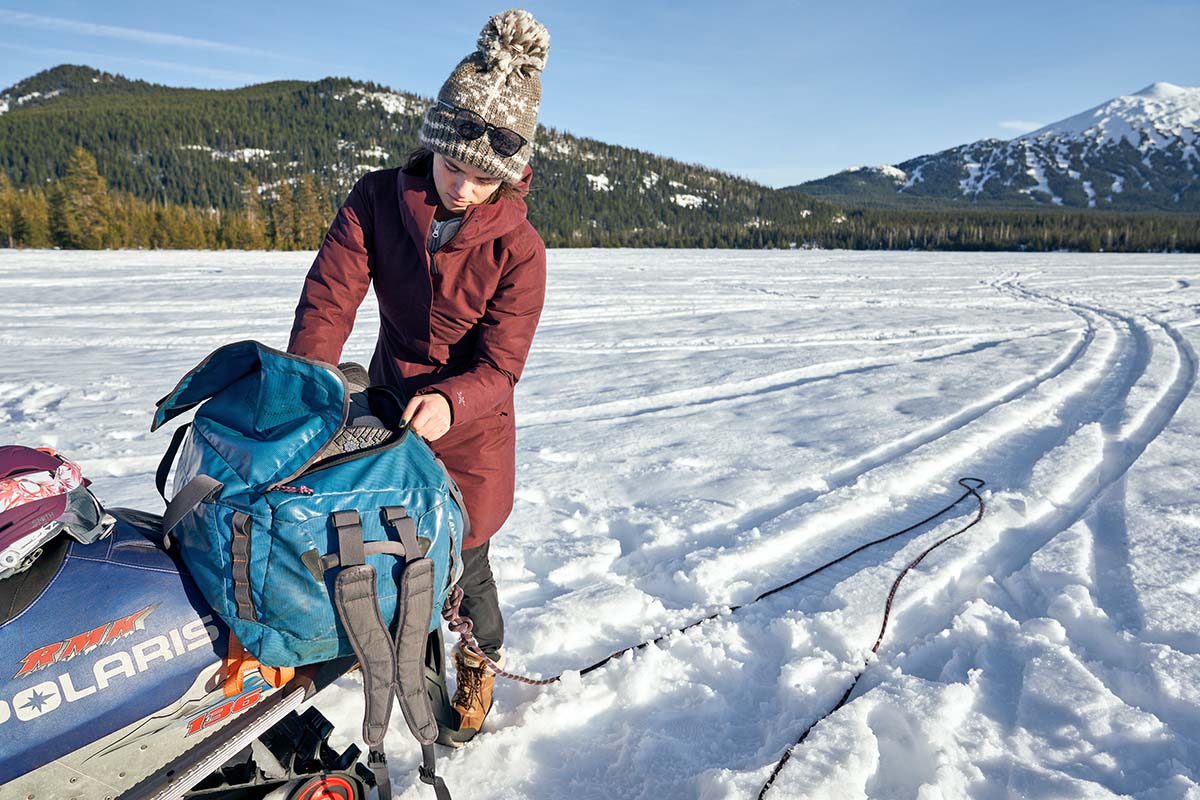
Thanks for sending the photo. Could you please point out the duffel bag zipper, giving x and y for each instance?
(455, 492)
(285, 486)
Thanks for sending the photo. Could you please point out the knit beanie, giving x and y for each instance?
(502, 82)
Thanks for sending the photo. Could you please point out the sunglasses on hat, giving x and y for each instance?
(471, 126)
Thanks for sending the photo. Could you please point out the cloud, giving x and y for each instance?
(58, 24)
(96, 59)
(1021, 125)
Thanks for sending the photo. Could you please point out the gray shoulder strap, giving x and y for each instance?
(357, 604)
(416, 609)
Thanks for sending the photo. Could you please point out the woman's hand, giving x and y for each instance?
(428, 416)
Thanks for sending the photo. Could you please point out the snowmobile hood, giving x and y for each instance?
(268, 413)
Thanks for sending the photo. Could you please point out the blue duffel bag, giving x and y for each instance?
(314, 522)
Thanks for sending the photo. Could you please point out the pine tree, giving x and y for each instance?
(283, 218)
(310, 227)
(256, 223)
(79, 206)
(8, 199)
(31, 224)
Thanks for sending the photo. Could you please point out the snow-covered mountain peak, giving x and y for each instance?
(1160, 111)
(1162, 89)
(1135, 152)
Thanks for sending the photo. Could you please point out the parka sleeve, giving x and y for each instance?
(336, 283)
(505, 335)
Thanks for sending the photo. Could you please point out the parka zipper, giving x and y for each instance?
(435, 234)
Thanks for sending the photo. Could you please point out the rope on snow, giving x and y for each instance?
(464, 627)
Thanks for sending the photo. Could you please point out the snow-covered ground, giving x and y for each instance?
(697, 427)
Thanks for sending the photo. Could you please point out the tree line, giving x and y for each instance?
(79, 212)
(887, 229)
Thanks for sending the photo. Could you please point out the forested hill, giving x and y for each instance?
(200, 147)
(90, 159)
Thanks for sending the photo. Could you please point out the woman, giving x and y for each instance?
(460, 276)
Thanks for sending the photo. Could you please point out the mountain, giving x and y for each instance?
(200, 147)
(1134, 153)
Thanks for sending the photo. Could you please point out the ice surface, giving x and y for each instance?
(696, 427)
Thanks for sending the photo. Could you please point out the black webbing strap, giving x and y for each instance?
(164, 466)
(350, 538)
(428, 773)
(377, 761)
(240, 555)
(197, 490)
(370, 548)
(406, 528)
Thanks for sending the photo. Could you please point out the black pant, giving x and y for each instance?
(480, 601)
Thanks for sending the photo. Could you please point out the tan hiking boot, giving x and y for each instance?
(473, 696)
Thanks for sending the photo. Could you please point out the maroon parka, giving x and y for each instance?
(459, 322)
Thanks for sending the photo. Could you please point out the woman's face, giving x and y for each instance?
(461, 185)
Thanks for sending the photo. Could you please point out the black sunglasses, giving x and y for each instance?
(471, 126)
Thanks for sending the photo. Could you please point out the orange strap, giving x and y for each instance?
(238, 662)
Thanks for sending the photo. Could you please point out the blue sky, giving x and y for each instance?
(779, 92)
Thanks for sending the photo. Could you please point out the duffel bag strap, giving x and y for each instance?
(406, 529)
(428, 773)
(416, 609)
(389, 667)
(164, 466)
(357, 604)
(415, 605)
(197, 490)
(243, 528)
(412, 636)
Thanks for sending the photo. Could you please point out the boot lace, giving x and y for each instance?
(470, 682)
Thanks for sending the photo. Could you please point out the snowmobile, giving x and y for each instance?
(118, 682)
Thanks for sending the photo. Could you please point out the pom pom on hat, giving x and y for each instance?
(514, 41)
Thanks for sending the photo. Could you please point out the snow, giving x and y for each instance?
(696, 427)
(554, 146)
(887, 170)
(1145, 119)
(244, 155)
(1035, 170)
(598, 183)
(915, 177)
(972, 183)
(391, 102)
(687, 200)
(25, 98)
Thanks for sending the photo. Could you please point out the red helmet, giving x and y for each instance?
(42, 494)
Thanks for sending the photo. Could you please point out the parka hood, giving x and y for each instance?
(481, 223)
